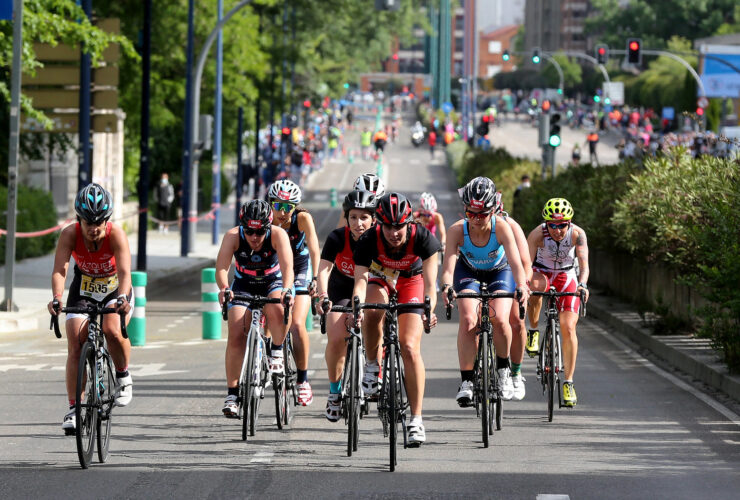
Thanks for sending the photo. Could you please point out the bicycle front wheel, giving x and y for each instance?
(550, 358)
(247, 385)
(352, 400)
(280, 385)
(86, 407)
(393, 409)
(107, 391)
(485, 390)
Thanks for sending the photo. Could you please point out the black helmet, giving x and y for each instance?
(363, 200)
(480, 193)
(94, 204)
(255, 214)
(394, 209)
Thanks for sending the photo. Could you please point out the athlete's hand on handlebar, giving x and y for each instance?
(324, 305)
(448, 294)
(584, 291)
(430, 322)
(122, 305)
(225, 295)
(54, 306)
(313, 291)
(286, 297)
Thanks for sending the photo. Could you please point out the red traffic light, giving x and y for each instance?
(395, 57)
(306, 103)
(634, 45)
(602, 51)
(545, 105)
(286, 131)
(700, 111)
(485, 118)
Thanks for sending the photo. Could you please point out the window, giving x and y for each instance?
(494, 47)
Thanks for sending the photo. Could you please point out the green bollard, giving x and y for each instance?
(333, 197)
(379, 167)
(309, 316)
(211, 308)
(137, 326)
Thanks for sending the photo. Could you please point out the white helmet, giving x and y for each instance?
(428, 202)
(286, 191)
(370, 182)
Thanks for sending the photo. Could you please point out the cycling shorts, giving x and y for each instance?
(75, 299)
(263, 287)
(495, 280)
(409, 289)
(340, 288)
(563, 281)
(301, 268)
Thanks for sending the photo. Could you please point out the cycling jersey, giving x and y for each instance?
(100, 263)
(256, 271)
(431, 225)
(338, 249)
(556, 255)
(486, 258)
(301, 260)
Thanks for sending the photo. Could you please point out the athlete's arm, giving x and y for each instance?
(582, 255)
(429, 271)
(281, 243)
(454, 241)
(522, 246)
(441, 231)
(362, 274)
(229, 245)
(305, 224)
(506, 237)
(119, 245)
(322, 277)
(535, 240)
(65, 245)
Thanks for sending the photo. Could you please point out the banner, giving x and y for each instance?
(719, 78)
(6, 10)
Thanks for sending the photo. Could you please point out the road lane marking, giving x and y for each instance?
(262, 457)
(152, 370)
(317, 355)
(551, 496)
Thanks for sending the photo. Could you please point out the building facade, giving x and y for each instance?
(493, 41)
(554, 25)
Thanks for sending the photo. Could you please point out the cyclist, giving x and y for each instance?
(488, 254)
(365, 182)
(380, 138)
(285, 196)
(397, 253)
(430, 218)
(263, 262)
(518, 328)
(554, 247)
(102, 274)
(336, 281)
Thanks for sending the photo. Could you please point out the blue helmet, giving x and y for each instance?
(94, 204)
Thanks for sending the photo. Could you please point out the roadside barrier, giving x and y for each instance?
(211, 308)
(333, 197)
(137, 326)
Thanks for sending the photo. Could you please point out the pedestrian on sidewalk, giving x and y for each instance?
(432, 142)
(592, 139)
(164, 195)
(366, 140)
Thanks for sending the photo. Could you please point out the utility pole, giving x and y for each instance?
(146, 50)
(13, 143)
(187, 140)
(84, 172)
(217, 132)
(239, 169)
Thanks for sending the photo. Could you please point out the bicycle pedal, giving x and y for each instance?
(413, 445)
(69, 432)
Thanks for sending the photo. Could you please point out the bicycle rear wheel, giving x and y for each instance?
(390, 379)
(484, 364)
(86, 412)
(247, 385)
(350, 402)
(550, 369)
(280, 384)
(291, 381)
(258, 392)
(107, 391)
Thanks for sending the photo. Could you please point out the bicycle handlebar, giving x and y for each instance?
(92, 310)
(313, 300)
(552, 293)
(482, 296)
(255, 301)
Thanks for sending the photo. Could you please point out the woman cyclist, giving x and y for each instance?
(488, 254)
(263, 261)
(102, 274)
(365, 182)
(428, 217)
(397, 253)
(284, 198)
(336, 279)
(518, 328)
(554, 247)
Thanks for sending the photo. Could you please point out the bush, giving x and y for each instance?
(36, 212)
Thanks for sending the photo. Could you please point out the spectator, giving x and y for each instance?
(164, 195)
(432, 141)
(592, 139)
(576, 154)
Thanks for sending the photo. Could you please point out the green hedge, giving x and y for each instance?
(36, 212)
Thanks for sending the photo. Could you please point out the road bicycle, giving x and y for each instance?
(487, 398)
(96, 390)
(393, 401)
(255, 372)
(549, 360)
(353, 398)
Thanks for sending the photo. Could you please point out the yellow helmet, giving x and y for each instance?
(557, 209)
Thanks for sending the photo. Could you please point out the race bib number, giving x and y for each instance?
(389, 275)
(98, 288)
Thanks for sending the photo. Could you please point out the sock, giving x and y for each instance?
(276, 347)
(233, 391)
(502, 363)
(302, 376)
(415, 419)
(466, 375)
(516, 369)
(569, 381)
(72, 403)
(121, 374)
(335, 387)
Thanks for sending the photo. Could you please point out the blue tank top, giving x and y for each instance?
(485, 258)
(297, 237)
(256, 264)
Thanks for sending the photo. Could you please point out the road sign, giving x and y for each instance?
(615, 92)
(6, 10)
(702, 102)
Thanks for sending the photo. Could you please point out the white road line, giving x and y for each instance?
(310, 373)
(163, 329)
(192, 342)
(178, 321)
(320, 197)
(317, 355)
(414, 161)
(324, 341)
(262, 457)
(716, 405)
(551, 496)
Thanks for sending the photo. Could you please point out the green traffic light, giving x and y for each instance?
(597, 99)
(607, 100)
(560, 91)
(554, 141)
(506, 57)
(346, 85)
(536, 59)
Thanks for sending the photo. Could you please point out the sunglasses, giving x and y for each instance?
(477, 215)
(259, 232)
(558, 225)
(283, 206)
(425, 214)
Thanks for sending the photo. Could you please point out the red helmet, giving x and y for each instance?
(394, 209)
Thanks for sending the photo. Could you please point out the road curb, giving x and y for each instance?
(625, 322)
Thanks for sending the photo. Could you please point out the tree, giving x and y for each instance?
(571, 72)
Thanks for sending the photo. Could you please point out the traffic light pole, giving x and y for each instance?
(676, 58)
(591, 60)
(557, 67)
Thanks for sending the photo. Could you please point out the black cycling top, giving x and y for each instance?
(372, 248)
(251, 264)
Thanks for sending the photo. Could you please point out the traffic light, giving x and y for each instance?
(346, 85)
(536, 55)
(602, 54)
(545, 106)
(285, 134)
(597, 98)
(395, 56)
(506, 56)
(700, 111)
(307, 103)
(554, 139)
(634, 54)
(484, 126)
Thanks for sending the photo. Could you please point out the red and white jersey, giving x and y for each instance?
(556, 255)
(96, 264)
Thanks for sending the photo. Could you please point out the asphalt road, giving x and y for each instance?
(638, 431)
